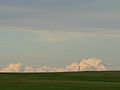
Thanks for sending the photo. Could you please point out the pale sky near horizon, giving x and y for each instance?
(59, 32)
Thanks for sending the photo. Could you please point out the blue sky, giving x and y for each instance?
(58, 32)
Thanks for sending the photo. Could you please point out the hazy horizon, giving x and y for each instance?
(59, 32)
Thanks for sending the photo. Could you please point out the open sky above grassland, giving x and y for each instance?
(58, 32)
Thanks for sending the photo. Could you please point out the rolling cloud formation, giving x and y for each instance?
(87, 64)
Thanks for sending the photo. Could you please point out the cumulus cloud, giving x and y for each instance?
(92, 63)
(85, 65)
(11, 68)
(72, 67)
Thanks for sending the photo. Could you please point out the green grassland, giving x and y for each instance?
(109, 80)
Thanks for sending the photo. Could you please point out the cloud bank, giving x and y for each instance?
(87, 64)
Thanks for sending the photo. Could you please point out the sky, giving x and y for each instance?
(58, 32)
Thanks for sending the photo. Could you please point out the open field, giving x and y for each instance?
(109, 80)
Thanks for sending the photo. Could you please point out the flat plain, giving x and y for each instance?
(89, 80)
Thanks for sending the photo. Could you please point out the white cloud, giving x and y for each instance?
(85, 65)
(11, 68)
(92, 63)
(72, 67)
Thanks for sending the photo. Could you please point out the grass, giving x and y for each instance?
(108, 80)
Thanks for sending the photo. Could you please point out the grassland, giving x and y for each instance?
(61, 81)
